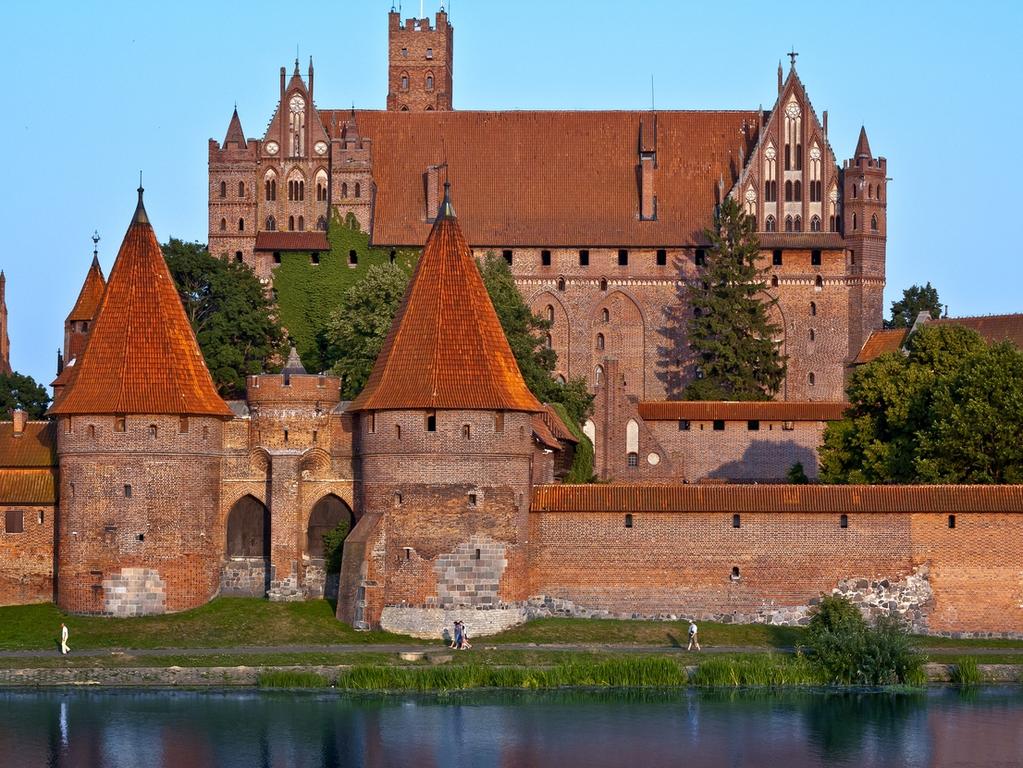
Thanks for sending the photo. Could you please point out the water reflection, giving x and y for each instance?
(81, 729)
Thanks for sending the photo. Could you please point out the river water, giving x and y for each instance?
(692, 728)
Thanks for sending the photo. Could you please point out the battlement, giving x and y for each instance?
(294, 388)
(417, 25)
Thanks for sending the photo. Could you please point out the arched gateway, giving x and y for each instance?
(246, 568)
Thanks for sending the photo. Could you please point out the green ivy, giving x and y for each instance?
(307, 293)
(581, 470)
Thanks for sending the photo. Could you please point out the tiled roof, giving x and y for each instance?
(543, 433)
(880, 342)
(557, 427)
(862, 145)
(291, 241)
(28, 486)
(142, 356)
(234, 131)
(533, 177)
(91, 295)
(770, 410)
(777, 498)
(446, 348)
(992, 327)
(810, 240)
(35, 447)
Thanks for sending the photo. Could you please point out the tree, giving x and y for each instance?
(730, 335)
(951, 411)
(915, 299)
(525, 332)
(356, 331)
(233, 319)
(20, 391)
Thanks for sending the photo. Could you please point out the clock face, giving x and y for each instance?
(271, 148)
(297, 103)
(321, 148)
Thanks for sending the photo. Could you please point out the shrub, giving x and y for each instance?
(291, 679)
(965, 672)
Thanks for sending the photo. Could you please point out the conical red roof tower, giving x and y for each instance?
(142, 356)
(446, 348)
(91, 295)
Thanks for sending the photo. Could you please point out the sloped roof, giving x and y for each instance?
(28, 486)
(142, 356)
(291, 241)
(34, 447)
(771, 410)
(555, 424)
(91, 295)
(880, 342)
(543, 433)
(235, 132)
(533, 177)
(993, 328)
(446, 348)
(862, 145)
(629, 497)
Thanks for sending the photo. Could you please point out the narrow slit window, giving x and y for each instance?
(628, 521)
(951, 521)
(127, 491)
(843, 521)
(431, 422)
(466, 431)
(736, 521)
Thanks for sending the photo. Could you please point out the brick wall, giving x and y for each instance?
(415, 51)
(26, 558)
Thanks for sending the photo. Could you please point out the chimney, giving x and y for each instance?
(432, 177)
(19, 418)
(648, 169)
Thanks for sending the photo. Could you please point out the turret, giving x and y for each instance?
(420, 62)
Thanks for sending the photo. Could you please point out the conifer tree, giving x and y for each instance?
(730, 334)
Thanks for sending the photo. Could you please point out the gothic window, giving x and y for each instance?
(798, 222)
(788, 191)
(771, 225)
(873, 223)
(600, 341)
(301, 190)
(831, 223)
(788, 157)
(223, 189)
(561, 283)
(815, 223)
(358, 190)
(321, 224)
(813, 335)
(870, 191)
(799, 157)
(241, 225)
(813, 309)
(321, 186)
(291, 223)
(854, 221)
(855, 193)
(550, 313)
(879, 193)
(271, 224)
(223, 225)
(605, 315)
(301, 224)
(774, 281)
(818, 283)
(404, 81)
(799, 191)
(548, 341)
(603, 283)
(344, 189)
(429, 82)
(598, 375)
(297, 125)
(241, 189)
(788, 220)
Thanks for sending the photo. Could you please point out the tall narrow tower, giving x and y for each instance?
(420, 59)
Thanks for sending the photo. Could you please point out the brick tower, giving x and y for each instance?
(444, 448)
(5, 342)
(420, 59)
(78, 324)
(865, 200)
(140, 449)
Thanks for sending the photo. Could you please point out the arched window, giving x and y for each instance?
(404, 81)
(815, 223)
(813, 335)
(771, 225)
(344, 189)
(879, 193)
(321, 187)
(291, 223)
(811, 379)
(798, 191)
(223, 225)
(813, 309)
(873, 222)
(241, 225)
(549, 342)
(788, 157)
(774, 281)
(429, 82)
(788, 223)
(271, 224)
(223, 189)
(561, 283)
(798, 222)
(854, 221)
(321, 224)
(605, 315)
(603, 283)
(301, 190)
(358, 190)
(870, 191)
(855, 192)
(301, 224)
(600, 341)
(799, 158)
(632, 436)
(550, 313)
(788, 191)
(818, 283)
(598, 375)
(241, 189)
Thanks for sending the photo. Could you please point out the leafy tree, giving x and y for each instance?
(334, 544)
(797, 474)
(949, 412)
(730, 334)
(525, 332)
(20, 391)
(234, 321)
(356, 331)
(915, 299)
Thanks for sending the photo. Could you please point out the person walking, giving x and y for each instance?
(458, 636)
(692, 636)
(64, 650)
(455, 637)
(466, 645)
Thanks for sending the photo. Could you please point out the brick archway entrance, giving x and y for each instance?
(246, 568)
(325, 567)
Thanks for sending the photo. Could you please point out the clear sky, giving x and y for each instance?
(103, 89)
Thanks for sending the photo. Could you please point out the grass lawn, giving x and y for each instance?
(225, 622)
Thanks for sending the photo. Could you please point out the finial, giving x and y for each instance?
(140, 216)
(792, 56)
(95, 245)
(447, 211)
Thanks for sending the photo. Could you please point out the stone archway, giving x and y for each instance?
(246, 569)
(323, 568)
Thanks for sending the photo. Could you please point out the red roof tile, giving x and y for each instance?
(557, 427)
(28, 486)
(291, 241)
(993, 328)
(777, 498)
(532, 177)
(34, 447)
(880, 342)
(91, 295)
(771, 410)
(543, 433)
(142, 356)
(446, 348)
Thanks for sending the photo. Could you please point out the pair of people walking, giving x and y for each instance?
(460, 640)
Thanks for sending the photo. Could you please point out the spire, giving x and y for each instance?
(862, 145)
(91, 295)
(446, 210)
(294, 365)
(781, 76)
(140, 216)
(234, 131)
(446, 348)
(142, 356)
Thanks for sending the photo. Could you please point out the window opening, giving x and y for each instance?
(843, 521)
(623, 257)
(584, 258)
(719, 425)
(736, 521)
(628, 521)
(753, 425)
(662, 257)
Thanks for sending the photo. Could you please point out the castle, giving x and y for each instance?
(146, 492)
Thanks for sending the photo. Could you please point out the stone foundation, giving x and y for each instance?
(318, 583)
(286, 590)
(244, 577)
(436, 623)
(134, 592)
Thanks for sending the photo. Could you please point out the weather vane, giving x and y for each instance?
(95, 242)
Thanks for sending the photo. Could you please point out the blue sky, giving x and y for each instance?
(103, 89)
